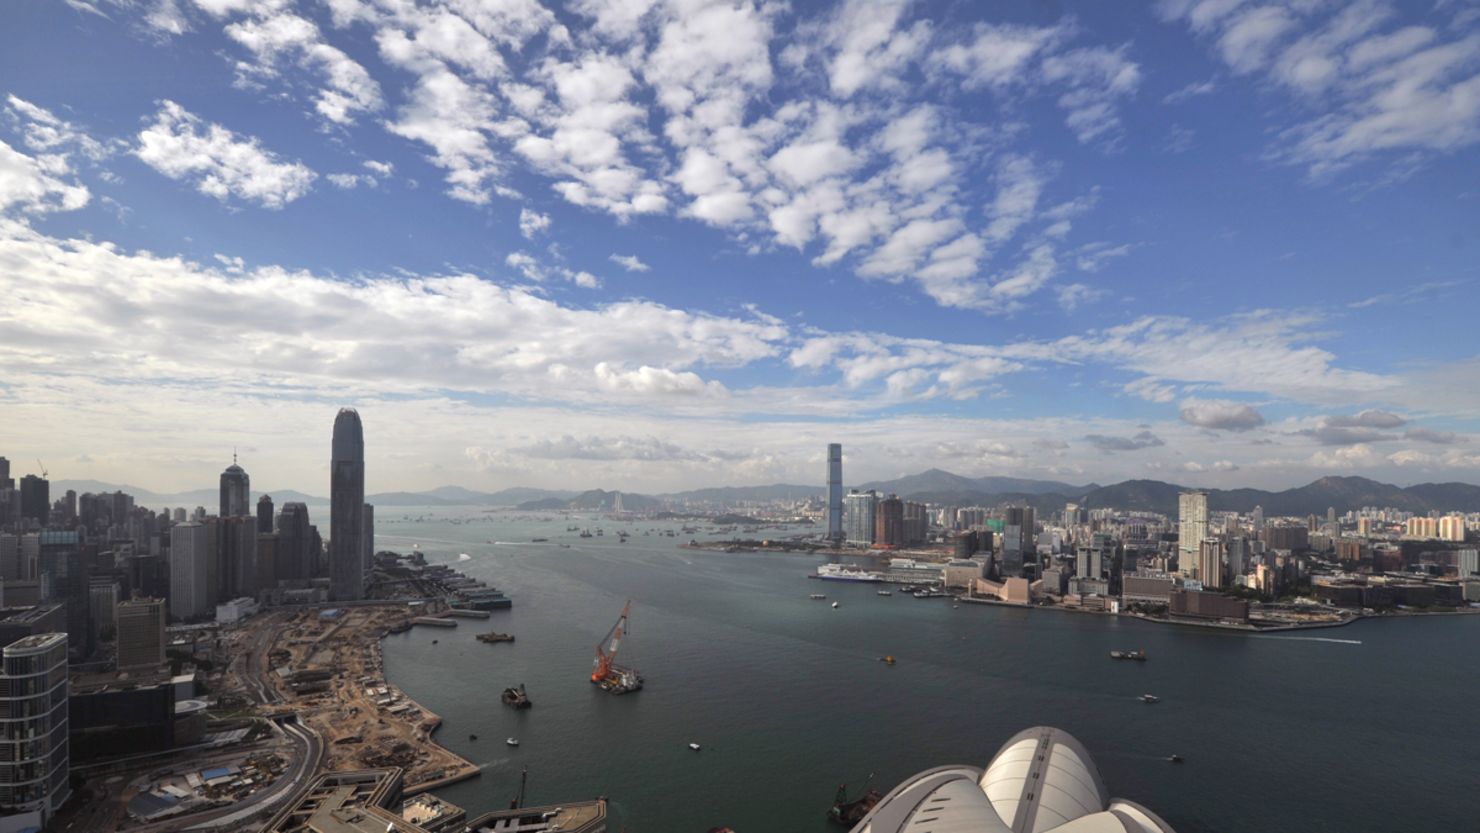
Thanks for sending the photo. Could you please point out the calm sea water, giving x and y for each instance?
(788, 699)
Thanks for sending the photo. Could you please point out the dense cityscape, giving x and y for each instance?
(225, 663)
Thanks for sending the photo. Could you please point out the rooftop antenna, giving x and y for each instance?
(233, 455)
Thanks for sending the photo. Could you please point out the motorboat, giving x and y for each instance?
(836, 605)
(512, 741)
(694, 746)
(1150, 698)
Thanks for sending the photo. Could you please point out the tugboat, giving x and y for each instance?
(848, 813)
(516, 697)
(1138, 655)
(1150, 698)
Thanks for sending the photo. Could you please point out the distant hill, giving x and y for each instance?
(595, 500)
(734, 494)
(940, 482)
(1341, 493)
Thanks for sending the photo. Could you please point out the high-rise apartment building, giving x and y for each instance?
(140, 633)
(1192, 528)
(191, 553)
(1210, 563)
(858, 517)
(264, 515)
(33, 746)
(889, 522)
(835, 492)
(347, 508)
(1452, 528)
(236, 489)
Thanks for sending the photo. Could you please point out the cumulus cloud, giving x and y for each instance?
(1220, 414)
(218, 162)
(532, 222)
(38, 184)
(1371, 418)
(1136, 442)
(1368, 426)
(618, 447)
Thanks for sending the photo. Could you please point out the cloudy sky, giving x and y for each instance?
(656, 244)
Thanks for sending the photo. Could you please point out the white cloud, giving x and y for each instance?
(1220, 414)
(629, 262)
(36, 183)
(532, 222)
(217, 161)
(1097, 78)
(275, 36)
(996, 55)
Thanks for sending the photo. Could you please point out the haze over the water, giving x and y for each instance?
(662, 245)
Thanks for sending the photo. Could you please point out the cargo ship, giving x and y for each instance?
(605, 673)
(494, 636)
(846, 572)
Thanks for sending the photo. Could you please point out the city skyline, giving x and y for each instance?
(693, 244)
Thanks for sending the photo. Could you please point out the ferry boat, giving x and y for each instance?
(1138, 656)
(846, 572)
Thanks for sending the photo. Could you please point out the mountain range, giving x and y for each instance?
(933, 485)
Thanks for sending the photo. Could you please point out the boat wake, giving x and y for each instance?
(1314, 639)
(462, 556)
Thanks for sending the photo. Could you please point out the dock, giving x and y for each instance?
(434, 621)
(572, 817)
(461, 613)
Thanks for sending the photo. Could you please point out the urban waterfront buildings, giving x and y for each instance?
(835, 493)
(1041, 780)
(192, 552)
(1192, 528)
(236, 489)
(347, 509)
(33, 744)
(859, 524)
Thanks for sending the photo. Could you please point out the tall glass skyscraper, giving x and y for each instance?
(835, 492)
(33, 781)
(236, 488)
(347, 509)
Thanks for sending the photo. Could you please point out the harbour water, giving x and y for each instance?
(1363, 728)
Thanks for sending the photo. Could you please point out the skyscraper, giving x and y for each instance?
(1210, 563)
(190, 557)
(35, 498)
(295, 544)
(835, 492)
(889, 522)
(235, 490)
(140, 627)
(368, 534)
(858, 520)
(264, 514)
(33, 781)
(1019, 527)
(347, 508)
(1192, 528)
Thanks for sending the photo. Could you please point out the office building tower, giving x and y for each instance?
(889, 522)
(1238, 556)
(191, 551)
(1210, 563)
(65, 579)
(264, 514)
(1019, 528)
(347, 509)
(33, 777)
(179, 515)
(1258, 519)
(35, 499)
(1089, 562)
(140, 633)
(236, 488)
(858, 517)
(236, 558)
(1192, 528)
(295, 557)
(102, 599)
(835, 492)
(368, 534)
(69, 505)
(5, 481)
(916, 523)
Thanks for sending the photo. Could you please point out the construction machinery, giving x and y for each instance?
(605, 672)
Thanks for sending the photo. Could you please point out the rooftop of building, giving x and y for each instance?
(36, 643)
(26, 615)
(1041, 780)
(101, 681)
(352, 801)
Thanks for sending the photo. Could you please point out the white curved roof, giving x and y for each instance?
(1041, 780)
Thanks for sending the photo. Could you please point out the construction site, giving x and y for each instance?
(324, 666)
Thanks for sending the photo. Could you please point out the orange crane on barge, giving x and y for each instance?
(605, 672)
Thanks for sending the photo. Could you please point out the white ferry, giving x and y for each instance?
(846, 572)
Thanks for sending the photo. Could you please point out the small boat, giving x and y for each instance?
(817, 597)
(1138, 655)
(694, 746)
(1150, 698)
(884, 593)
(538, 540)
(512, 741)
(887, 660)
(955, 607)
(1176, 759)
(434, 642)
(472, 737)
(836, 605)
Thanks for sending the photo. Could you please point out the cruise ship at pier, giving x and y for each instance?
(846, 572)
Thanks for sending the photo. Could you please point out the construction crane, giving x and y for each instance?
(40, 465)
(605, 672)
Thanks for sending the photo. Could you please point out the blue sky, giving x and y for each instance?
(665, 243)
